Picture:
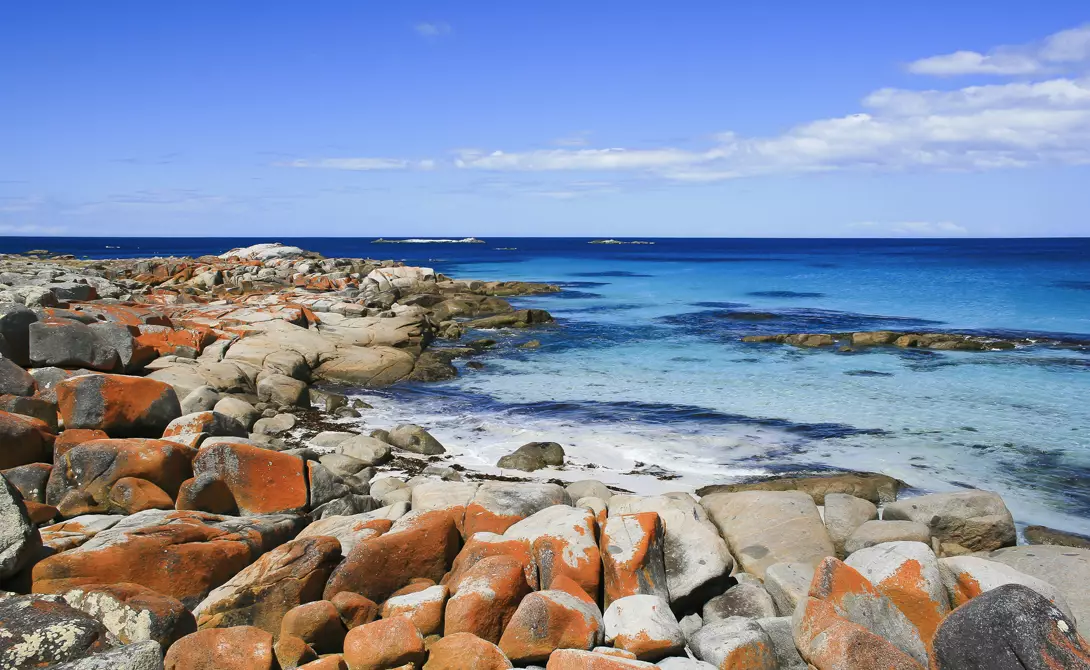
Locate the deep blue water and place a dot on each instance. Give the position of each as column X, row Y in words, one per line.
column 644, row 374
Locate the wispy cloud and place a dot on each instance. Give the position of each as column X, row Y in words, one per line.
column 1017, row 124
column 31, row 229
column 1056, row 51
column 433, row 29
column 910, row 228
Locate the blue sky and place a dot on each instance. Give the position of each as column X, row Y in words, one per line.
column 544, row 118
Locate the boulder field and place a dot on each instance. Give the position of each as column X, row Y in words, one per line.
column 174, row 493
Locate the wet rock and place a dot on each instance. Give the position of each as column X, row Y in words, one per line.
column 496, row 506
column 908, row 574
column 734, row 642
column 533, row 456
column 389, row 643
column 487, row 595
column 134, row 614
column 23, row 440
column 632, row 557
column 549, row 620
column 119, row 405
column 464, row 651
column 975, row 520
column 751, row 601
column 643, row 625
column 876, row 488
column 563, row 543
column 743, row 519
column 39, row 631
column 1045, row 535
column 871, row 533
column 420, row 544
column 844, row 514
column 19, row 539
column 410, row 437
column 1011, row 627
column 236, row 648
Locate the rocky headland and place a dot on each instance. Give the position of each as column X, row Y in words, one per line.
column 180, row 490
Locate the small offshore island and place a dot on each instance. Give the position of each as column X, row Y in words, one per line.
column 189, row 483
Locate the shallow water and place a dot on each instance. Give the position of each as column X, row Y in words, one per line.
column 645, row 364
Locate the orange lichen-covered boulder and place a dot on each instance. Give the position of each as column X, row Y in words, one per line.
column 574, row 659
column 180, row 554
column 238, row 648
column 487, row 598
column 496, row 506
column 846, row 617
column 484, row 545
column 318, row 623
column 261, row 481
column 423, row 607
column 74, row 436
column 261, row 594
column 23, row 440
column 463, row 651
column 383, row 644
column 907, row 573
column 354, row 609
column 120, row 405
column 564, row 541
column 331, row 662
column 632, row 557
column 166, row 340
column 212, row 423
column 420, row 544
column 83, row 477
column 549, row 620
column 1011, row 627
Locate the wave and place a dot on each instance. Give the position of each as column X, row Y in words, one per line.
column 416, row 240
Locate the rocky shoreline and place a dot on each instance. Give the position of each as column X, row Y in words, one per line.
column 180, row 489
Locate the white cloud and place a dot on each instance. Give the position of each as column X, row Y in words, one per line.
column 911, row 228
column 436, row 29
column 1011, row 125
column 31, row 229
column 1063, row 48
column 579, row 139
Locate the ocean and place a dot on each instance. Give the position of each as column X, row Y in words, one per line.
column 644, row 379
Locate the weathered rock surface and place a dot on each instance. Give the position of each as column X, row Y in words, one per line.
column 236, row 648
column 134, row 614
column 40, row 632
column 496, row 506
column 632, row 557
column 19, row 539
column 262, row 593
column 734, row 643
column 1011, row 627
column 763, row 528
column 549, row 620
column 844, row 514
column 562, row 540
column 975, row 520
column 119, row 405
column 1066, row 568
column 643, row 625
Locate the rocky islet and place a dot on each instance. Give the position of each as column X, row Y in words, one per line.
column 176, row 494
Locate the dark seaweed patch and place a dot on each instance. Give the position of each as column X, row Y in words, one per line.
column 609, row 273
column 867, row 373
column 785, row 294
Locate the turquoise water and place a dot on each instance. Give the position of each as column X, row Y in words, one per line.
column 646, row 365
column 644, row 378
